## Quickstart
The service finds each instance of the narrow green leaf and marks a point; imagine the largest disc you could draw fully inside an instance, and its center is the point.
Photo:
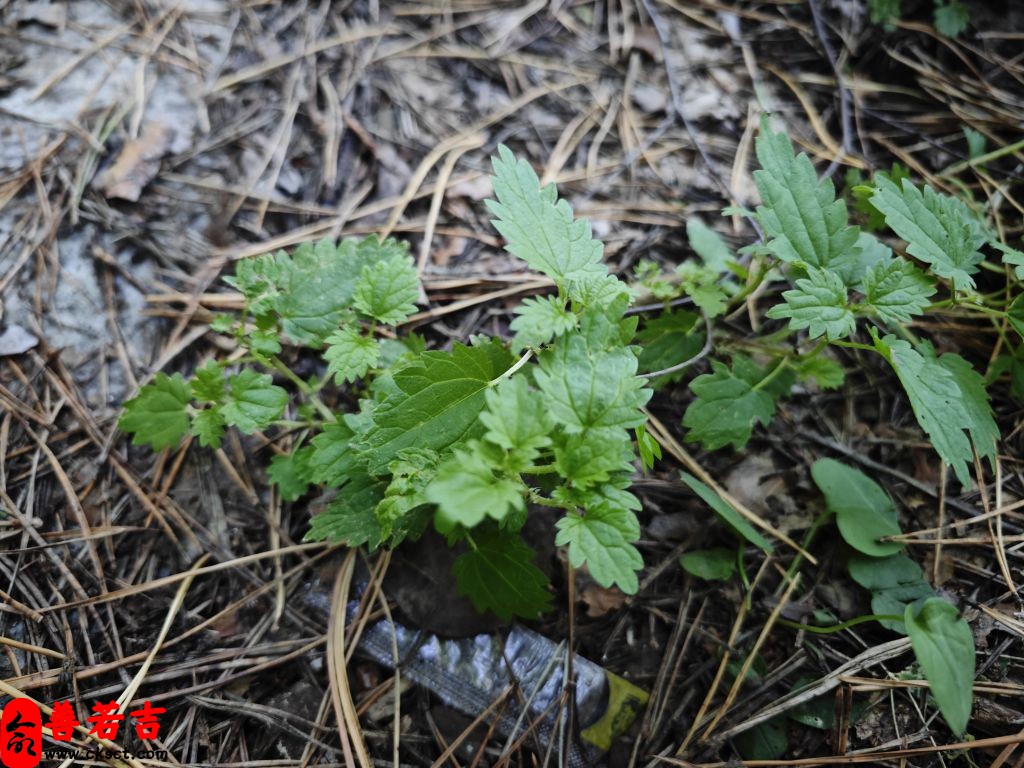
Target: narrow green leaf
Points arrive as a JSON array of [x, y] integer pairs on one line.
[[724, 510], [944, 647]]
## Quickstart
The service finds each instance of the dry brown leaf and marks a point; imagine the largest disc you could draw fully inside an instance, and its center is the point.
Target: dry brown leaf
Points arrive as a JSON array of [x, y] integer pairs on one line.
[[137, 163]]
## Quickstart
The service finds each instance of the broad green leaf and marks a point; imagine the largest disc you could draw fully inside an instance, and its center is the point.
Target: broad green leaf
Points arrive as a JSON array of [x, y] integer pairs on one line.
[[801, 215], [539, 320], [388, 289], [710, 564], [158, 415], [602, 538], [610, 497], [208, 426], [709, 245], [948, 402], [290, 472], [539, 228], [317, 282], [208, 384], [253, 401], [349, 517], [350, 354], [894, 582], [897, 291], [944, 647], [725, 511], [333, 459], [438, 401], [864, 512], [951, 17], [983, 429], [818, 303], [824, 370], [467, 489], [498, 575], [939, 230], [727, 408], [513, 420], [594, 457], [587, 387], [766, 741], [667, 340]]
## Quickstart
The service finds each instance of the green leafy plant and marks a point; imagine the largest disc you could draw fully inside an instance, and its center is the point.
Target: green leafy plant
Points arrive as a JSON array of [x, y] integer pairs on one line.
[[951, 17], [473, 437]]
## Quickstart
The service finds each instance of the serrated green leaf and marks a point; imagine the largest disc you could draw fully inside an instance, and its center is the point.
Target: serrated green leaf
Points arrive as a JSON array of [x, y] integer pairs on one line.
[[588, 386], [513, 420], [290, 472], [818, 303], [725, 511], [333, 460], [349, 517], [158, 415], [539, 228], [539, 320], [253, 401], [1011, 257], [437, 402], [894, 583], [710, 564], [388, 289], [824, 370], [897, 291], [467, 489], [498, 575], [944, 647], [350, 354], [411, 473], [208, 383], [949, 403], [595, 458], [726, 409], [208, 426], [939, 230], [602, 538], [864, 512], [801, 215]]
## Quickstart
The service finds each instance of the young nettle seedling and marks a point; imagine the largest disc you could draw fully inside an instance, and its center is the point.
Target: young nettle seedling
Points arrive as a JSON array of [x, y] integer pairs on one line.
[[471, 438]]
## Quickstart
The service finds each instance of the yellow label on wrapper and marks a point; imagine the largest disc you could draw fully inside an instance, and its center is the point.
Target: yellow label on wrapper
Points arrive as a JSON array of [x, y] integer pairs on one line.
[[625, 701]]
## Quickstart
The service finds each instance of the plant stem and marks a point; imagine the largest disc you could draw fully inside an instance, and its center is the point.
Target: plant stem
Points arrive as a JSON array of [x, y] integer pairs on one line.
[[303, 387], [518, 364]]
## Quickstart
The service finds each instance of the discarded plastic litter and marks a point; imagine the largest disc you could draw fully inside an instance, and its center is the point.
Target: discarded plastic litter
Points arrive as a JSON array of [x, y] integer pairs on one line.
[[469, 674]]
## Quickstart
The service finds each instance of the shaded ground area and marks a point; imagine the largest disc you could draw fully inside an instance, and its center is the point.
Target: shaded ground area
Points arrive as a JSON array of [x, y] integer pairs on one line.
[[144, 147]]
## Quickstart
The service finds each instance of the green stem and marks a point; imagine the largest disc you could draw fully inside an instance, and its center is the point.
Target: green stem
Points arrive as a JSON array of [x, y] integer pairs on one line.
[[838, 627], [783, 363], [544, 501], [518, 364], [302, 386]]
